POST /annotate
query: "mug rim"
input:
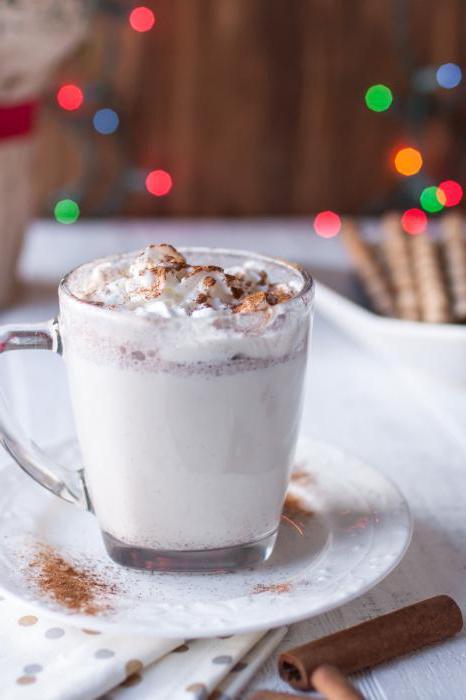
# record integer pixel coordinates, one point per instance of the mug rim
(307, 289)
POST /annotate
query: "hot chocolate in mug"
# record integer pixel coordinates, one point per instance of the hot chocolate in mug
(187, 423)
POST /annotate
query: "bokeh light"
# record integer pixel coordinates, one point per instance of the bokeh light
(432, 199)
(327, 224)
(414, 221)
(424, 79)
(449, 75)
(70, 97)
(106, 121)
(378, 98)
(408, 161)
(142, 19)
(453, 192)
(66, 211)
(159, 182)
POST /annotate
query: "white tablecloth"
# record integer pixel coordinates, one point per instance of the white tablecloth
(353, 400)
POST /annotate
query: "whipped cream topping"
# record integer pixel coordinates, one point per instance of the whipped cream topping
(159, 281)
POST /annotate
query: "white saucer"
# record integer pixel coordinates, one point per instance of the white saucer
(360, 530)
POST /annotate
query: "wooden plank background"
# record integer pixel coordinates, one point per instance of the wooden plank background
(256, 107)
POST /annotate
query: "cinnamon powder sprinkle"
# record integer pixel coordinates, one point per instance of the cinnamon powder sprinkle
(297, 527)
(302, 477)
(295, 512)
(77, 588)
(294, 506)
(273, 588)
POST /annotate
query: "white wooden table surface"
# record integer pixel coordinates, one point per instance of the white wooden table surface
(353, 400)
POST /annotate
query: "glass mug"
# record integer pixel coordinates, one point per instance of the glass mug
(187, 425)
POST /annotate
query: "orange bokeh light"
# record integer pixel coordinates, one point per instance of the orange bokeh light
(408, 161)
(441, 196)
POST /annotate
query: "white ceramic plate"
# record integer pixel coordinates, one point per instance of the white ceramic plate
(437, 350)
(360, 530)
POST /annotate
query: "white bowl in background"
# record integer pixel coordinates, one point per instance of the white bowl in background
(438, 350)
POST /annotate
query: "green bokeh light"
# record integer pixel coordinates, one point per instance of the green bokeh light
(66, 211)
(430, 199)
(379, 98)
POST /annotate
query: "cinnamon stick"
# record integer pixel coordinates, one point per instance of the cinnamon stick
(332, 684)
(373, 642)
(329, 682)
(271, 695)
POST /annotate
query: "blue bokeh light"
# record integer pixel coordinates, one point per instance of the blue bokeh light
(106, 121)
(449, 75)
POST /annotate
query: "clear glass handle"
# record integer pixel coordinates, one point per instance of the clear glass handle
(66, 483)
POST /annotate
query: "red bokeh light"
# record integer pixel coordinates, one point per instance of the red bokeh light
(453, 192)
(70, 97)
(327, 224)
(142, 19)
(159, 182)
(414, 221)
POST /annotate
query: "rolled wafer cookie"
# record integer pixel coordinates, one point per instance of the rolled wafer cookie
(454, 250)
(396, 248)
(368, 269)
(430, 281)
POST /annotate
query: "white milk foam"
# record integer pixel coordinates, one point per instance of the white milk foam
(187, 422)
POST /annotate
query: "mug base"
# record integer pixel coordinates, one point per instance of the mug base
(190, 561)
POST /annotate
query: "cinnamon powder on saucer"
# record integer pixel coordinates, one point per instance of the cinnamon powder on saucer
(295, 506)
(273, 587)
(77, 588)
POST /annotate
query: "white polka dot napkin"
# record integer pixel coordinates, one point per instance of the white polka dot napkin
(42, 660)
